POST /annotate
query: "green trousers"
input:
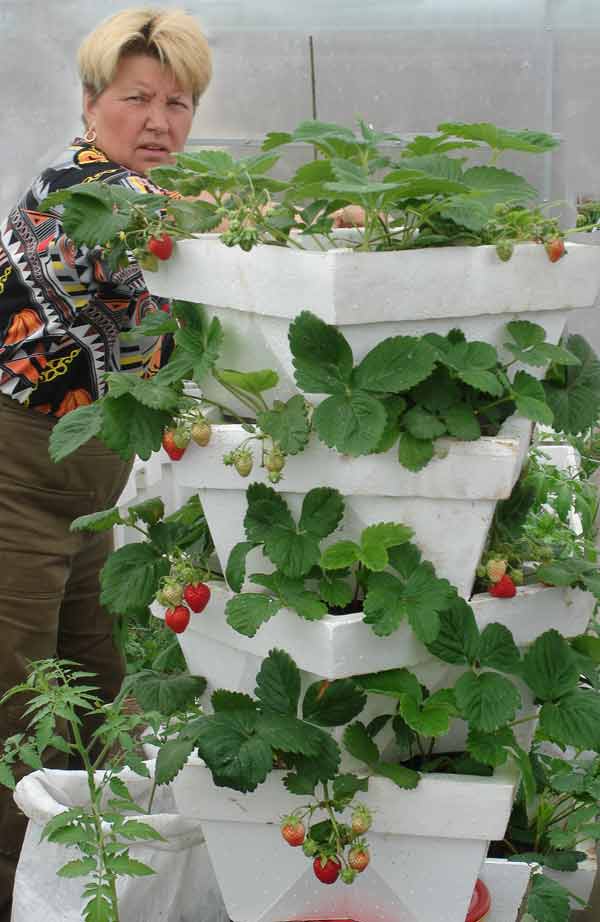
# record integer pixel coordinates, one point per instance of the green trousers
(49, 579)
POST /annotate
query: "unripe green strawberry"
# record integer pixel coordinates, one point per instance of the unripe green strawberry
(496, 569)
(517, 577)
(481, 571)
(505, 250)
(170, 595)
(201, 432)
(275, 461)
(347, 875)
(310, 847)
(274, 477)
(243, 462)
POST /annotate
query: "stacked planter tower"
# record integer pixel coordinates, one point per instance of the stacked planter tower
(428, 844)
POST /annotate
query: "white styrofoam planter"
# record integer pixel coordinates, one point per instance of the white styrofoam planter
(370, 296)
(339, 646)
(427, 847)
(449, 504)
(508, 883)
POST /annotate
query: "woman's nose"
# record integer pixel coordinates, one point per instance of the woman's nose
(156, 117)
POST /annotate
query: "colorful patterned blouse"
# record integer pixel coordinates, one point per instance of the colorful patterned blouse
(62, 312)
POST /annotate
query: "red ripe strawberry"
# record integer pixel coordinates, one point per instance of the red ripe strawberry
(197, 595)
(327, 870)
(177, 618)
(292, 830)
(555, 249)
(358, 858)
(161, 247)
(504, 588)
(168, 443)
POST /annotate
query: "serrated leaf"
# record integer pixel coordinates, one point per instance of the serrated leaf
(333, 704)
(425, 597)
(294, 554)
(171, 758)
(278, 683)
(575, 400)
(359, 744)
(287, 424)
(130, 428)
(500, 138)
(404, 777)
(97, 521)
(490, 748)
(80, 867)
(289, 734)
(462, 423)
(128, 867)
(414, 454)
(335, 591)
(236, 756)
(322, 511)
(428, 719)
(392, 682)
(498, 650)
(548, 901)
(487, 700)
(135, 829)
(549, 667)
(530, 399)
(353, 424)
(74, 429)
(340, 556)
(246, 611)
(377, 539)
(235, 572)
(384, 606)
(167, 694)
(573, 720)
(255, 382)
(458, 639)
(323, 360)
(266, 509)
(422, 425)
(347, 785)
(130, 578)
(395, 365)
(304, 602)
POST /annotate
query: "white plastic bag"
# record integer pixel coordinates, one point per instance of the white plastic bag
(183, 889)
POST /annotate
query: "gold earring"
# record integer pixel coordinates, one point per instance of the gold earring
(90, 136)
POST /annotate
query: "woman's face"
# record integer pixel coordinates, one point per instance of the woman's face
(142, 117)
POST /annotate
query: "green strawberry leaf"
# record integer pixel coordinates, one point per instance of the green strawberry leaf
(130, 428)
(294, 554)
(422, 425)
(384, 606)
(458, 639)
(323, 360)
(404, 777)
(334, 590)
(395, 365)
(414, 454)
(97, 521)
(548, 901)
(491, 748)
(531, 399)
(346, 786)
(254, 382)
(462, 423)
(359, 744)
(333, 704)
(431, 718)
(278, 684)
(322, 511)
(573, 720)
(266, 510)
(235, 572)
(352, 423)
(487, 700)
(549, 667)
(289, 734)
(235, 754)
(392, 682)
(167, 694)
(130, 578)
(573, 394)
(294, 595)
(376, 539)
(171, 758)
(287, 424)
(247, 611)
(75, 429)
(340, 556)
(498, 650)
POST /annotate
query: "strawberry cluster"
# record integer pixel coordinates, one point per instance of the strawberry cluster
(330, 859)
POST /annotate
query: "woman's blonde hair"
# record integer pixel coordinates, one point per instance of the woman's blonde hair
(172, 36)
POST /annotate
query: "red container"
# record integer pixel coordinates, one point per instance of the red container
(480, 903)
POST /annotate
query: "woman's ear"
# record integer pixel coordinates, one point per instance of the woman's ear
(88, 107)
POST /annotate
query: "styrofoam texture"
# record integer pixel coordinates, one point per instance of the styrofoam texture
(449, 504)
(339, 646)
(427, 848)
(340, 284)
(370, 296)
(508, 883)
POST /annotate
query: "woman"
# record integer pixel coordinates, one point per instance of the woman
(61, 316)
